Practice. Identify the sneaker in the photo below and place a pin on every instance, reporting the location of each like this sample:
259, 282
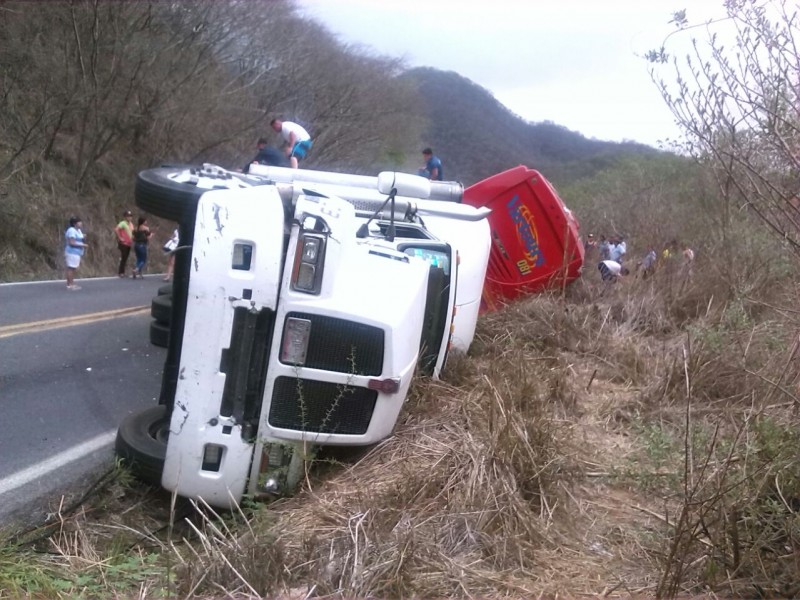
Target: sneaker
73, 287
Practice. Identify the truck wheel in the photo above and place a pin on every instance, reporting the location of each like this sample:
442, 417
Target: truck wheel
165, 290
142, 443
171, 192
159, 334
159, 195
161, 309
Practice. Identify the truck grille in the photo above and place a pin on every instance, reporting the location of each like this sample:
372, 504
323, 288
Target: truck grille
343, 346
321, 407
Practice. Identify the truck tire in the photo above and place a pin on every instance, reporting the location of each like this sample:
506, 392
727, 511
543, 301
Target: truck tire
165, 290
163, 197
161, 309
142, 443
159, 334
158, 195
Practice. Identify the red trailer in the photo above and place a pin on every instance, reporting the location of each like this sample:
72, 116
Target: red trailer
535, 238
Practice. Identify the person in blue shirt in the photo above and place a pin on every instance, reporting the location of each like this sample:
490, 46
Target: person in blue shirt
433, 166
75, 246
267, 155
618, 249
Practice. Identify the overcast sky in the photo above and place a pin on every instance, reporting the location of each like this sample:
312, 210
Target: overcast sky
574, 62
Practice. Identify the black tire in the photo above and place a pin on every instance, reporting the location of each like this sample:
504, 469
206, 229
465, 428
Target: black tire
142, 443
165, 290
159, 334
160, 196
161, 309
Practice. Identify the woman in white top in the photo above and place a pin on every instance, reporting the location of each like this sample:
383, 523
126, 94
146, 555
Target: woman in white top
74, 247
169, 248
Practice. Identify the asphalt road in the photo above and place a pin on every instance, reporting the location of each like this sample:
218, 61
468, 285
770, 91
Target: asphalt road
73, 364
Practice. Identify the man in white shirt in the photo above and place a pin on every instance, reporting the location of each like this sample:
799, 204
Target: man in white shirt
298, 141
611, 270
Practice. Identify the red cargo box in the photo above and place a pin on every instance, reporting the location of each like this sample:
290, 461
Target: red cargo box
535, 239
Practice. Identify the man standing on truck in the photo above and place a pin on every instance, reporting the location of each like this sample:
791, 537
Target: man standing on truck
433, 166
298, 141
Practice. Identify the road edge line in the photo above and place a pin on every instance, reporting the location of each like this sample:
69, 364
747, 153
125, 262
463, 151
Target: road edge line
40, 469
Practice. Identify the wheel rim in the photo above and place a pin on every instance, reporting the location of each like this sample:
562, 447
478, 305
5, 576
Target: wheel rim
159, 431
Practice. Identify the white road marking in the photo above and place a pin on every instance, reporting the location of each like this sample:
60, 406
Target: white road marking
77, 279
58, 461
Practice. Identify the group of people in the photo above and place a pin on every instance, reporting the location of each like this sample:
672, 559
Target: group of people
297, 144
129, 237
136, 237
610, 253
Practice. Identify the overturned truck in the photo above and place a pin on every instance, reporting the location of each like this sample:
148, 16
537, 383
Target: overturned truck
304, 302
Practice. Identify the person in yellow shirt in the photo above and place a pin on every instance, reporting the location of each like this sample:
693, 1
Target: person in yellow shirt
124, 233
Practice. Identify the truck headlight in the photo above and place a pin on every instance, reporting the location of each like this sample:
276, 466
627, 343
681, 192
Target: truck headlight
309, 262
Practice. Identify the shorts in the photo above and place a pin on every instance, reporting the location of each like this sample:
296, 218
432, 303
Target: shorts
301, 149
73, 261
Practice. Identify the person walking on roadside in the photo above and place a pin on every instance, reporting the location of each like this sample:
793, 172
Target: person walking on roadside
141, 238
124, 233
75, 246
432, 169
298, 141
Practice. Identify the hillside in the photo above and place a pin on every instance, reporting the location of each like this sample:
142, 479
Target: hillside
168, 91
476, 136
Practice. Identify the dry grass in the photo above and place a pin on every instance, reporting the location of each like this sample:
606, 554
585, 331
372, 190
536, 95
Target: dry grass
605, 443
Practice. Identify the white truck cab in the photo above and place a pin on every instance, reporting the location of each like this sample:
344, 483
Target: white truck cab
309, 301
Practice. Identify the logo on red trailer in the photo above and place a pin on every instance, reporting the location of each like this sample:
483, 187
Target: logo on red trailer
526, 234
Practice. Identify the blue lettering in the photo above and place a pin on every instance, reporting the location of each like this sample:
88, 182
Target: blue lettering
525, 231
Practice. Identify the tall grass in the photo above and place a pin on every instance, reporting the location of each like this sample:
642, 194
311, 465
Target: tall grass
634, 438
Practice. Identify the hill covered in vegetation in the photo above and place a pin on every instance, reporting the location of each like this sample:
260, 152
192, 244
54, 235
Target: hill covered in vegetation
95, 92
477, 136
